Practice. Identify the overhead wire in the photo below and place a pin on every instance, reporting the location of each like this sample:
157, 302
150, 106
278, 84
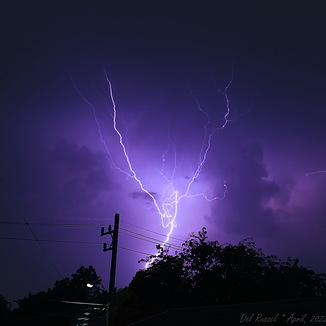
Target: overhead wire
48, 240
156, 243
53, 224
159, 241
96, 225
133, 234
148, 230
30, 228
69, 241
85, 225
141, 252
93, 242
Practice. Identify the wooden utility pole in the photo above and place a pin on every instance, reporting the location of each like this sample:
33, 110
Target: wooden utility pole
114, 247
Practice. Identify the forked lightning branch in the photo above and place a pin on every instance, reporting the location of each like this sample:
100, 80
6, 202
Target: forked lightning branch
167, 204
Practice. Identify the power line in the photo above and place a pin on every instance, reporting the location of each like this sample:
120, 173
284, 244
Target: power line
169, 243
87, 225
82, 225
72, 225
48, 240
53, 224
156, 243
93, 225
30, 228
164, 235
141, 252
85, 242
68, 241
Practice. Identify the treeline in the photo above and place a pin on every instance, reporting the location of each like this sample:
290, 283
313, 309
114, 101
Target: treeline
208, 273
63, 304
204, 273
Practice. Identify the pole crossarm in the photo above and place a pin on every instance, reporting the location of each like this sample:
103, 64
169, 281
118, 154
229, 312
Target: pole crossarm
114, 247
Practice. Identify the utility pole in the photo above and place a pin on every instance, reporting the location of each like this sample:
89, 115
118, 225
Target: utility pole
114, 247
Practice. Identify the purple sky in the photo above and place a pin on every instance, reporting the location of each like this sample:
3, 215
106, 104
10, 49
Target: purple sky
166, 65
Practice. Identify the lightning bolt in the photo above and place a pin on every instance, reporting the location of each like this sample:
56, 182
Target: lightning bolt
168, 206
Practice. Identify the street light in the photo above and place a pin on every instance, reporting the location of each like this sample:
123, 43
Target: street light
90, 285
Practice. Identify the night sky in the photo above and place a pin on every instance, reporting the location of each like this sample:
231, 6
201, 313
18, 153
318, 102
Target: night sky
175, 71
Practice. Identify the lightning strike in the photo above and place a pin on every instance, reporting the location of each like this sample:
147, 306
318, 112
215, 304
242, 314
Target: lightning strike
168, 206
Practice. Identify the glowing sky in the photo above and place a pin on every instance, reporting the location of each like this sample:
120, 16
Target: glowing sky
168, 68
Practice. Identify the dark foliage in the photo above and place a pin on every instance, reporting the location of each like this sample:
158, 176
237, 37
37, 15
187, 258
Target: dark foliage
5, 312
207, 273
51, 307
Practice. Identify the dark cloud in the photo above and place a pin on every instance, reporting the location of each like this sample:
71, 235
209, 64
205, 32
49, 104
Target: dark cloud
142, 195
84, 164
86, 183
244, 210
68, 181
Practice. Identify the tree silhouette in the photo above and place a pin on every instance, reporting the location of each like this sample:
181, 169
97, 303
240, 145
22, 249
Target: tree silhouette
51, 308
76, 289
208, 273
4, 310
